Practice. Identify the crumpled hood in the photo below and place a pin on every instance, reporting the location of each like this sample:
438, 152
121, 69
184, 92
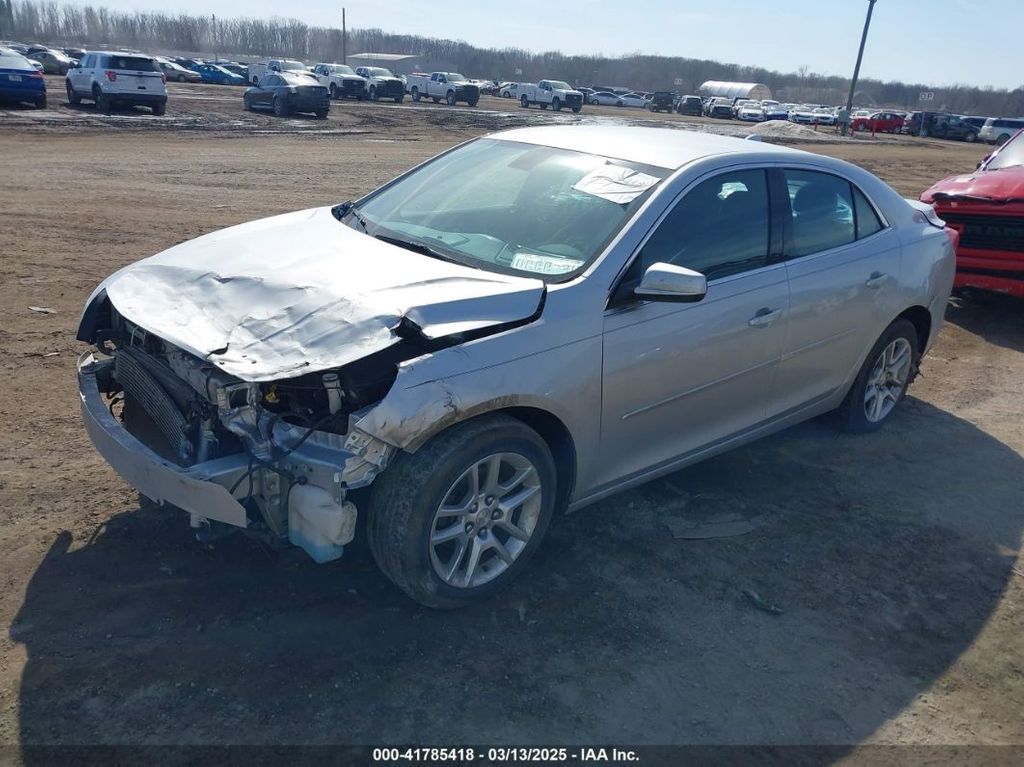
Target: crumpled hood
998, 185
302, 292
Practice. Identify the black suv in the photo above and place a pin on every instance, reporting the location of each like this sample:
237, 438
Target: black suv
662, 100
690, 105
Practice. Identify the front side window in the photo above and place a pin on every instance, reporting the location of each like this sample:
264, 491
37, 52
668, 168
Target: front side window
720, 227
822, 209
511, 207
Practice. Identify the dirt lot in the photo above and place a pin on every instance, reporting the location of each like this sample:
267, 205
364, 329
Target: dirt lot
895, 557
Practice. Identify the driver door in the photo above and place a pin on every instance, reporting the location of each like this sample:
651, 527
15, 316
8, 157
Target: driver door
680, 377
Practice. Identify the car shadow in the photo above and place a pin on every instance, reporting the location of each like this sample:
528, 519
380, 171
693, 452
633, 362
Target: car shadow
996, 317
873, 563
88, 107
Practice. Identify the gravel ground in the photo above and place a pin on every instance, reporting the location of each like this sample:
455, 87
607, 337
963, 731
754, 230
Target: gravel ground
894, 558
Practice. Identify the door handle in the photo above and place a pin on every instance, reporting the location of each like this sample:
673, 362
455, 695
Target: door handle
876, 280
764, 317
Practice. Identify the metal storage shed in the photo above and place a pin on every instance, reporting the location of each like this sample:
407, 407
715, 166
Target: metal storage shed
758, 91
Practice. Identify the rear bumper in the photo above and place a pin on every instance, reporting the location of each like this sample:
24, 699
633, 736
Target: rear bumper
309, 104
22, 94
143, 99
201, 489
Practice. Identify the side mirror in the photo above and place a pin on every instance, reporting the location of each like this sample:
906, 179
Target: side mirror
668, 282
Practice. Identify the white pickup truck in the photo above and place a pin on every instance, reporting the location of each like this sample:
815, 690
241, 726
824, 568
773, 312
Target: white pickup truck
450, 86
381, 84
260, 68
341, 80
553, 93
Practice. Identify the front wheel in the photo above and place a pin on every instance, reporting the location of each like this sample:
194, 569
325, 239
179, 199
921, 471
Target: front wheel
887, 371
334, 92
280, 108
524, 102
73, 98
450, 98
373, 93
970, 138
557, 105
182, 78
458, 520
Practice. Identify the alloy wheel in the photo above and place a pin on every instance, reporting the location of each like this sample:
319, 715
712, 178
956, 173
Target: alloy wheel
888, 379
485, 520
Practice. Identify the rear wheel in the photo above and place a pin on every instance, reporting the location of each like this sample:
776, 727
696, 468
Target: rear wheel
399, 99
415, 94
182, 78
1003, 138
971, 137
524, 102
102, 101
887, 371
474, 102
576, 110
321, 114
159, 109
458, 520
41, 102
73, 98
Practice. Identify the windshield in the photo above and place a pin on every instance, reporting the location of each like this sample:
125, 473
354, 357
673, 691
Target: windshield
288, 64
558, 85
510, 207
379, 72
1012, 154
341, 69
455, 77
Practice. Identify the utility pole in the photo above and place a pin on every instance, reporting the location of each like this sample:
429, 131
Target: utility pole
856, 69
344, 40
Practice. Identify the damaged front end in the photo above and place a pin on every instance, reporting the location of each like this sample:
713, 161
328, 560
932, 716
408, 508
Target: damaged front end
278, 458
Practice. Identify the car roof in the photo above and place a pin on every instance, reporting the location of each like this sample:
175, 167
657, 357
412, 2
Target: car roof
123, 53
661, 147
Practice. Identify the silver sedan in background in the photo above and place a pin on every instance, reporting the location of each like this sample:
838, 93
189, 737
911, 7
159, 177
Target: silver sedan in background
525, 324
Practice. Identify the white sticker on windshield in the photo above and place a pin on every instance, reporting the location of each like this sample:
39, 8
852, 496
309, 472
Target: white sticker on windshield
538, 264
615, 183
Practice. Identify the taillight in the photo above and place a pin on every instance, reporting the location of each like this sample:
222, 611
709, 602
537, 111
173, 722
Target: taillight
36, 74
112, 76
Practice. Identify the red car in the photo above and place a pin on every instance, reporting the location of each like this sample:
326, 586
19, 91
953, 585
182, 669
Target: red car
879, 122
986, 208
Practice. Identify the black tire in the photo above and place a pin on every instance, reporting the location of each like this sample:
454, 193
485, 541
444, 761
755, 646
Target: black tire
473, 102
41, 102
334, 92
102, 102
971, 137
373, 93
182, 78
576, 110
524, 102
406, 496
321, 114
281, 108
159, 110
399, 99
556, 104
1003, 138
415, 93
73, 98
450, 98
852, 412
246, 103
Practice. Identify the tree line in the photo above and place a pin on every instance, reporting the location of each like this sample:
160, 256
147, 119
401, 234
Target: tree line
157, 32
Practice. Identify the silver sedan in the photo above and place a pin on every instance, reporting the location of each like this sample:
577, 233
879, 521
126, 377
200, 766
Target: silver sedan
525, 324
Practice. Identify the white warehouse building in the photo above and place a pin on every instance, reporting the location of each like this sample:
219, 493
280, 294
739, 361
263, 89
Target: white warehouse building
758, 91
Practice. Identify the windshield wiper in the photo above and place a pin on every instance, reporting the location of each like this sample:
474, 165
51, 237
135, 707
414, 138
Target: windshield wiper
349, 209
418, 247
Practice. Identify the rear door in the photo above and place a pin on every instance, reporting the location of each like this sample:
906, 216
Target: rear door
843, 263
681, 376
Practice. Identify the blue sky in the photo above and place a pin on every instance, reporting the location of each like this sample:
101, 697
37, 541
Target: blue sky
941, 42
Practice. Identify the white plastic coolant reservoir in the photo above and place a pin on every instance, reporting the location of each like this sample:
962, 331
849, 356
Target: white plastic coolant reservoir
318, 524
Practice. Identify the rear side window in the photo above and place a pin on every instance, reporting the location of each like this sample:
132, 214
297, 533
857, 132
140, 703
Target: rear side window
719, 228
133, 63
867, 220
822, 209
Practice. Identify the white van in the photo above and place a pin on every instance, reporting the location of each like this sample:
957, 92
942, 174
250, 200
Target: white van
998, 130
